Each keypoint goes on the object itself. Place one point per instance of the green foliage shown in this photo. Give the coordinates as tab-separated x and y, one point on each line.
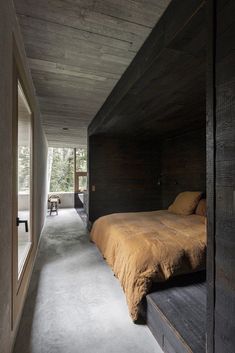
82	183
81	160
23	169
62	170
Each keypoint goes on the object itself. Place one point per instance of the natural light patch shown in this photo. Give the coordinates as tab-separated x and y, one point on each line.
23	169
81	170
61	169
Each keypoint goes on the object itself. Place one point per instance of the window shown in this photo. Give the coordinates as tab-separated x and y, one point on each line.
81	160
23	237
61	169
81	170
24	177
62	175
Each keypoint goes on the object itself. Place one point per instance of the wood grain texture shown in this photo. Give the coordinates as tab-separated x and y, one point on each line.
183	165
144	175
224	325
176	314
124	173
163	90
77	51
210	163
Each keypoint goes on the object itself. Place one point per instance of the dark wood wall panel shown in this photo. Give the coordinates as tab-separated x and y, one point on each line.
224	339
123	174
164	88
210	169
126	172
162	92
183	165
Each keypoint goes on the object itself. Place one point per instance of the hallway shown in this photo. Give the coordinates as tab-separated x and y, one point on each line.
74	303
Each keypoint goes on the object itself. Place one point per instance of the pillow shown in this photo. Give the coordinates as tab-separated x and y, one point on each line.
185	203
201	208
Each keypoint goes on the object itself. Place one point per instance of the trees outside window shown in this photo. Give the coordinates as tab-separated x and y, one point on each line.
81	170
23	169
61	169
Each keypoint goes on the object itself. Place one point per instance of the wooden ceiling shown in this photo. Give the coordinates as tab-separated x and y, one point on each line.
163	91
77	51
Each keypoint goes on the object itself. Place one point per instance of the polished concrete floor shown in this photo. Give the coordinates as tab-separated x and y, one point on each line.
75	304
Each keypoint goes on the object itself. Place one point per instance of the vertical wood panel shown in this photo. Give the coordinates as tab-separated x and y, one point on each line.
124	173
183	165
210	137
224	153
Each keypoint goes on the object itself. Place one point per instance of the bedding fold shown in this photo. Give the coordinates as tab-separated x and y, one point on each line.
148	247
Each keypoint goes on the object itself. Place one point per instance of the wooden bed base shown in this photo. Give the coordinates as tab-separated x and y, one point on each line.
176	314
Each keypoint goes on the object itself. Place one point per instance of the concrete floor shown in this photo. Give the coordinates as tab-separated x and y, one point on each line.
75	304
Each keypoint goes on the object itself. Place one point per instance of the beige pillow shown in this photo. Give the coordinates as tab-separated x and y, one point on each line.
185	203
201	208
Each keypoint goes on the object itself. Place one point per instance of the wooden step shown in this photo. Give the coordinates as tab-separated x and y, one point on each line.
176	316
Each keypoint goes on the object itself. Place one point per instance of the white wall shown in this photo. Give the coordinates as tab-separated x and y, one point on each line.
67	200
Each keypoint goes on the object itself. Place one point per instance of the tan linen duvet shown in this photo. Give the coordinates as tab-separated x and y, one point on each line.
146	247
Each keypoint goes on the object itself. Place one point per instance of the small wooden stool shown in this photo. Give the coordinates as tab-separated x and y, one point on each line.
54	201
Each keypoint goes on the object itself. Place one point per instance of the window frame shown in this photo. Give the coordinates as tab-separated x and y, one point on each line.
77	174
20	281
49	176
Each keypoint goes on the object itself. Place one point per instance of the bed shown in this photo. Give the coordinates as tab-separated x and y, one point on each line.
147	247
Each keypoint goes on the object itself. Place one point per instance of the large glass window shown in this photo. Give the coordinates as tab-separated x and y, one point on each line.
81	170
61	169
81	160
24	171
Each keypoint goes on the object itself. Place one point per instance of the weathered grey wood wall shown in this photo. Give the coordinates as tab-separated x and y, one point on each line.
183	164
224	211
124	176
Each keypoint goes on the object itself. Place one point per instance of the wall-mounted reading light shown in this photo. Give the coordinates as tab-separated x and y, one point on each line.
159	180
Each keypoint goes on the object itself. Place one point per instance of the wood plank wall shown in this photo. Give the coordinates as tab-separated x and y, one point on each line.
183	164
224	334
210	170
123	174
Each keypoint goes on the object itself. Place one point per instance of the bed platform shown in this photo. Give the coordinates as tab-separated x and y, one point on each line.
176	315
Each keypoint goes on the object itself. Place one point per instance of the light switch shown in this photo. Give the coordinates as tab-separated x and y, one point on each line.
93	188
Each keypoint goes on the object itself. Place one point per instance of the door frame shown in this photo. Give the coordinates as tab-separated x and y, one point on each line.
20	283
